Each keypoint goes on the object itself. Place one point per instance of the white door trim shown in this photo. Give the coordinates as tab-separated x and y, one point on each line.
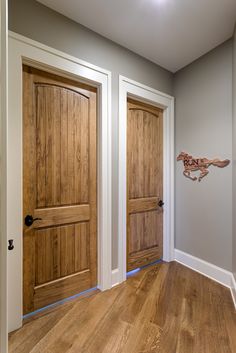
3	174
146	94
24	50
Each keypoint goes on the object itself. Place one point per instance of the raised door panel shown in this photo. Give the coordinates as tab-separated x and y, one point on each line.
61	251
62	132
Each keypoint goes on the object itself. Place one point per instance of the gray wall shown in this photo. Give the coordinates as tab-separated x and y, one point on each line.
36	21
234	154
203	92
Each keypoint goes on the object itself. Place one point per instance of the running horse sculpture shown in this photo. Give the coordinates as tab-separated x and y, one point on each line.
202	164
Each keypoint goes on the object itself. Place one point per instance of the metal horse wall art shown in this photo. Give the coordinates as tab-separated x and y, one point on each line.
202	164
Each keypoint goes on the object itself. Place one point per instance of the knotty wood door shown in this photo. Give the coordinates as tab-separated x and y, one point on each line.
144	184
59	129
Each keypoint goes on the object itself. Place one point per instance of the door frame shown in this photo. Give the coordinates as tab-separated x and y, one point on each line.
3	174
145	94
24	50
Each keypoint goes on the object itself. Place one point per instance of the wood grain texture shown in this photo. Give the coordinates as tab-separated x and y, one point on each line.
62	288
62	146
163	308
61	215
144	184
60	188
29	199
61	251
143	204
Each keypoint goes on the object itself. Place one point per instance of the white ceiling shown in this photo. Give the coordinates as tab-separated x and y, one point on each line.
171	33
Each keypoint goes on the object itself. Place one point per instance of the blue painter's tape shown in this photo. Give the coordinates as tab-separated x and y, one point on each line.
131	273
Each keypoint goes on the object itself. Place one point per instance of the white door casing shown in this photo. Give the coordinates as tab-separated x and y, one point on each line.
3	173
138	91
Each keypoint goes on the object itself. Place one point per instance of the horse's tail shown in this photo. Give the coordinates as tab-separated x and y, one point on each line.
220	164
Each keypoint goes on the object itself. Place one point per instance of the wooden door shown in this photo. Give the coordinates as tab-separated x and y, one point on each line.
59	188
144	184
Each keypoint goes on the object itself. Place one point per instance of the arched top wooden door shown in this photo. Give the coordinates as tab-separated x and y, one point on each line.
144	184
59	191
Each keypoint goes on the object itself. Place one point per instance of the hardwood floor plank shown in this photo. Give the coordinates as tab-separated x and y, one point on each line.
110	329
25	339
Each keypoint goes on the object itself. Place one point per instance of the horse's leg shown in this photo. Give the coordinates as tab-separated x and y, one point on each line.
188	175
204	172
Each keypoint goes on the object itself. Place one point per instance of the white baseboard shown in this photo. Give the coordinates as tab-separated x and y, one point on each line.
115	280
207	269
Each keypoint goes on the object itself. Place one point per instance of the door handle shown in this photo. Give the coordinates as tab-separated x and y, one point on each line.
161	203
29	220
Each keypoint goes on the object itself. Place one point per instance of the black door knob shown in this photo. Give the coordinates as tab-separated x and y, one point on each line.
29	220
10	246
160	203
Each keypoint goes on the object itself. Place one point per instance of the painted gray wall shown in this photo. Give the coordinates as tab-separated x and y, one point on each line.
37	22
203	92
234	153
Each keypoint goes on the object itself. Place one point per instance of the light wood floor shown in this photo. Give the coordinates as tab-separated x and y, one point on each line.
165	308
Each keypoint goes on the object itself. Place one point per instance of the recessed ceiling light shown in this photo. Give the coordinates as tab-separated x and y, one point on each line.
160	2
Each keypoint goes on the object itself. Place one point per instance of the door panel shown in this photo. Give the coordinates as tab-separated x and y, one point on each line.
62	147
145	184
62	215
60	248
61	251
